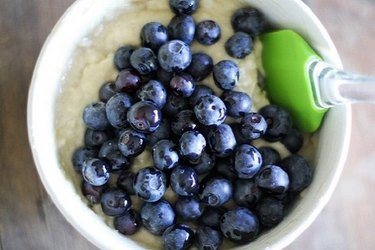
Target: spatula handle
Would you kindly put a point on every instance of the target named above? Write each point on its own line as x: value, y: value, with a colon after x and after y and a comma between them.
x: 334, y: 87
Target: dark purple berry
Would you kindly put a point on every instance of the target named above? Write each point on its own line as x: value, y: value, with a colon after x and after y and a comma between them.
x: 208, y: 238
x: 94, y: 116
x: 95, y: 171
x: 80, y: 155
x: 115, y: 202
x: 253, y: 126
x: 273, y: 179
x: 270, y: 156
x: 122, y: 57
x: 125, y: 182
x: 154, y: 35
x: 184, y: 181
x: 249, y: 20
x: 210, y: 110
x: 201, y: 66
x: 174, y: 56
x: 128, y: 81
x: 117, y: 108
x: 165, y: 155
x: 157, y: 216
x: 237, y: 103
x: 150, y: 184
x: 184, y: 121
x: 216, y: 192
x: 270, y: 212
x: 246, y: 193
x: 178, y: 237
x: 247, y: 161
x: 155, y: 92
x: 279, y: 122
x: 182, y: 85
x: 226, y: 74
x: 221, y: 140
x: 144, y: 117
x: 144, y: 61
x: 239, y: 45
x: 128, y: 223
x: 184, y: 6
x: 92, y: 193
x: 293, y: 141
x: 207, y: 32
x: 106, y: 91
x: 182, y: 27
x: 299, y: 171
x: 110, y: 152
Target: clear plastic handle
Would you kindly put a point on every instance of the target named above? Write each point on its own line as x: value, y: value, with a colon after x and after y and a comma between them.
x: 333, y: 87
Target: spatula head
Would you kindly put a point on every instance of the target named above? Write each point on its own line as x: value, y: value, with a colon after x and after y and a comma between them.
x: 285, y: 58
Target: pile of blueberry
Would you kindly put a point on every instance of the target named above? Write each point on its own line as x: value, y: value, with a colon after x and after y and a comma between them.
x: 225, y: 185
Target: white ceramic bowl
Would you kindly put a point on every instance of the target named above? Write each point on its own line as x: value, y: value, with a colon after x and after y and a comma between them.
x: 81, y: 19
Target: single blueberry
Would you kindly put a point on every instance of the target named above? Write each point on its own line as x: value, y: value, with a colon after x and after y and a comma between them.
x: 299, y: 171
x: 95, y: 138
x: 144, y: 61
x: 155, y: 92
x: 270, y: 212
x: 174, y: 56
x: 95, y: 171
x: 106, y: 91
x: 131, y: 143
x: 178, y: 237
x: 205, y: 163
x: 191, y: 145
x: 182, y: 27
x: 207, y: 32
x: 293, y: 141
x: 239, y: 45
x: 92, y: 193
x: 278, y: 120
x: 174, y: 105
x: 212, y: 216
x: 144, y: 117
x: 128, y: 223
x: 208, y: 238
x: 184, y: 6
x: 150, y: 184
x: 240, y: 225
x: 200, y: 91
x: 128, y: 80
x: 237, y: 103
x: 94, y: 116
x: 189, y: 208
x: 201, y: 66
x: 226, y: 74
x: 125, y: 182
x: 162, y: 132
x: 270, y: 156
x: 253, y: 126
x: 157, y: 216
x: 247, y: 161
x: 182, y: 84
x: 122, y: 57
x: 185, y: 120
x: 115, y: 202
x: 80, y: 155
x: 210, y: 110
x: 273, y: 179
x: 216, y: 192
x: 249, y: 20
x: 221, y: 140
x: 110, y: 152
x: 184, y: 181
x: 165, y: 155
x: 116, y: 109
x: 246, y: 193
x: 154, y: 35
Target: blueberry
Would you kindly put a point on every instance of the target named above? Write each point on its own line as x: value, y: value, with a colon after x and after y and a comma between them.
x: 110, y: 152
x: 216, y: 191
x: 80, y: 155
x: 178, y: 237
x: 162, y: 132
x: 226, y: 74
x: 208, y: 238
x: 212, y: 216
x: 184, y: 6
x: 184, y: 181
x: 174, y: 105
x: 155, y: 92
x: 247, y: 161
x: 144, y: 117
x: 182, y: 27
x: 299, y: 171
x: 278, y: 120
x: 144, y: 61
x: 174, y: 56
x: 249, y: 20
x: 210, y: 110
x: 128, y: 80
x: 272, y: 178
x: 188, y: 208
x: 125, y: 182
x: 270, y: 212
x: 293, y: 141
x: 182, y: 84
x: 201, y: 66
x: 94, y: 116
x: 240, y: 225
x: 200, y: 91
x: 236, y: 128
x: 238, y: 103
x: 184, y: 121
x: 95, y: 171
x: 221, y: 140
x: 116, y: 109
x: 154, y: 35
x: 253, y: 126
x: 270, y: 156
x: 95, y: 138
x: 191, y: 145
x: 246, y: 193
x: 157, y: 216
x: 164, y: 76
x: 205, y: 163
x: 128, y: 223
x: 122, y: 57
x: 207, y: 32
x: 106, y: 91
x: 131, y: 143
x: 115, y: 202
x: 239, y: 45
x: 225, y: 168
x: 150, y: 184
x: 165, y: 155
x: 92, y: 193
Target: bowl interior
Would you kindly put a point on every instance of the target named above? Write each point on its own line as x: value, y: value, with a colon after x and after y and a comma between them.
x: 83, y: 17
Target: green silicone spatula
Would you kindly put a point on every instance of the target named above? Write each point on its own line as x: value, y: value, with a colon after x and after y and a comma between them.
x: 297, y: 79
